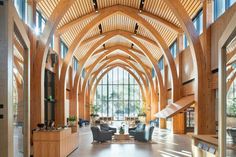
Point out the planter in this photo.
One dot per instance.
(72, 123)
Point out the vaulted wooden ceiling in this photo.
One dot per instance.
(156, 12)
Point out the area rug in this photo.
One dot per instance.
(130, 141)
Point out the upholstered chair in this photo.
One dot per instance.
(99, 135)
(145, 135)
(140, 127)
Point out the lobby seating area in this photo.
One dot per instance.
(117, 78)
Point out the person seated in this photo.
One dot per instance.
(106, 127)
(140, 127)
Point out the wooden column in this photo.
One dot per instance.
(6, 79)
(178, 121)
(163, 97)
(81, 102)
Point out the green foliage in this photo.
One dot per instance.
(122, 130)
(231, 108)
(94, 110)
(72, 118)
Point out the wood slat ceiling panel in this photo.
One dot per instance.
(82, 50)
(143, 58)
(92, 60)
(118, 21)
(46, 7)
(118, 40)
(70, 35)
(159, 8)
(137, 65)
(142, 31)
(107, 3)
(168, 35)
(78, 9)
(192, 6)
(94, 32)
(152, 48)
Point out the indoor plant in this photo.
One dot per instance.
(122, 129)
(72, 120)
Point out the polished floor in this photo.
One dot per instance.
(164, 145)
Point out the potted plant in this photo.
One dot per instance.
(231, 118)
(72, 121)
(122, 129)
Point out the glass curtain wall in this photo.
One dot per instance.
(118, 95)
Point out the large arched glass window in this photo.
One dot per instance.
(118, 95)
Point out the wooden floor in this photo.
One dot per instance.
(164, 145)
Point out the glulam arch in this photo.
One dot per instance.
(109, 68)
(125, 61)
(134, 15)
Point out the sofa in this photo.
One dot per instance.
(99, 135)
(106, 127)
(144, 136)
(139, 128)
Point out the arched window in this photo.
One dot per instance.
(118, 95)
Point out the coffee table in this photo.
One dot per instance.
(118, 136)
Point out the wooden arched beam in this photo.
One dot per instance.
(124, 49)
(127, 62)
(107, 53)
(123, 59)
(109, 68)
(102, 50)
(134, 15)
(39, 62)
(120, 30)
(102, 67)
(96, 73)
(152, 92)
(158, 19)
(137, 43)
(123, 33)
(202, 64)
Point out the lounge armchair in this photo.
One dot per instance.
(140, 127)
(100, 136)
(145, 135)
(106, 127)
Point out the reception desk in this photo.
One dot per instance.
(55, 143)
(204, 145)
